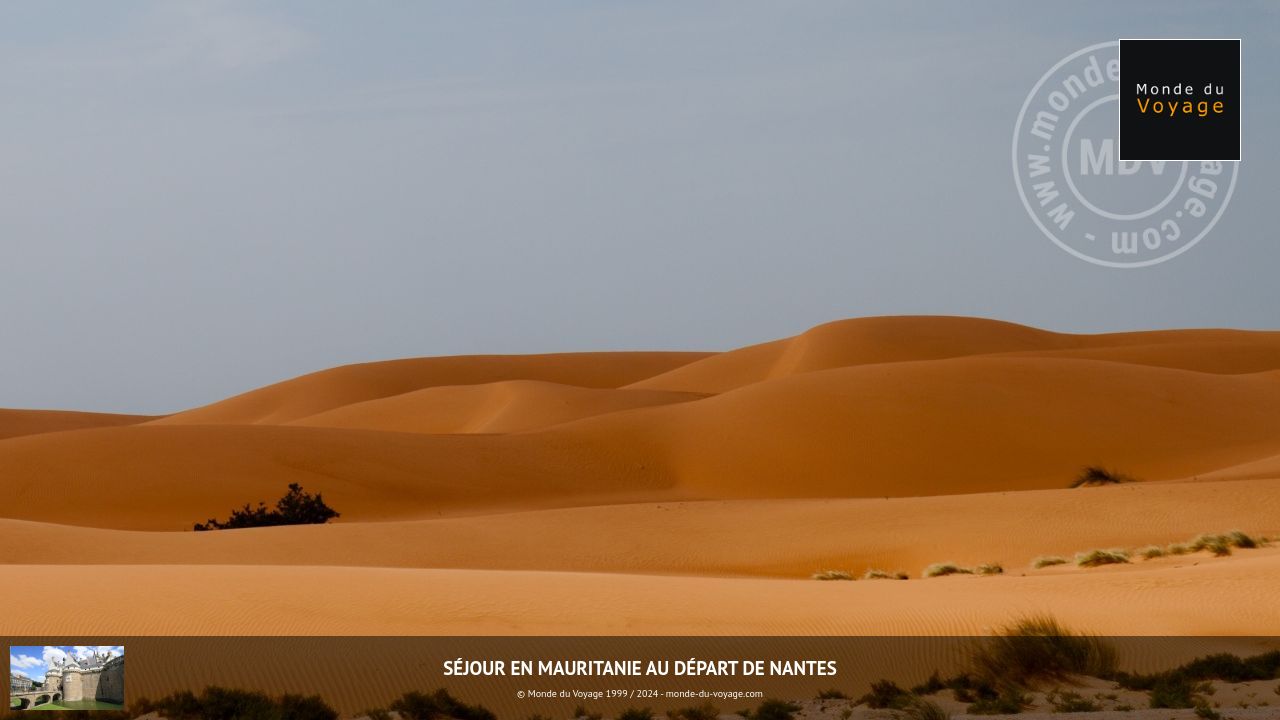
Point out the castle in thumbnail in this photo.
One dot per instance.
(98, 676)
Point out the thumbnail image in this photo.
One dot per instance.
(66, 677)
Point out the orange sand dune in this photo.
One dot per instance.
(723, 538)
(165, 477)
(962, 425)
(502, 407)
(16, 423)
(943, 427)
(652, 493)
(1259, 353)
(328, 389)
(1235, 596)
(865, 341)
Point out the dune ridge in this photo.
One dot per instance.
(694, 492)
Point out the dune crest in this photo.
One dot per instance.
(652, 493)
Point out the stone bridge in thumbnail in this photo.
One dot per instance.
(32, 698)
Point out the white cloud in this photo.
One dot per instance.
(53, 654)
(24, 661)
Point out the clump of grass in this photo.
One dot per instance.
(1009, 702)
(1242, 540)
(832, 575)
(1099, 557)
(1065, 701)
(1151, 552)
(990, 569)
(1045, 561)
(946, 568)
(1095, 475)
(1178, 549)
(832, 694)
(775, 710)
(926, 710)
(876, 574)
(1040, 648)
(1219, 545)
(886, 694)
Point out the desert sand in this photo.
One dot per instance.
(677, 493)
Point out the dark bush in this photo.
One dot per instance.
(1096, 475)
(1039, 648)
(886, 694)
(1009, 702)
(775, 710)
(295, 508)
(439, 705)
(636, 714)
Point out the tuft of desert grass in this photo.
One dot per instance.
(926, 710)
(1151, 552)
(1242, 540)
(877, 574)
(946, 568)
(1045, 561)
(1039, 648)
(1178, 549)
(1099, 557)
(990, 569)
(832, 575)
(1219, 545)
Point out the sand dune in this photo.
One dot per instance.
(648, 493)
(234, 600)
(865, 341)
(328, 389)
(502, 407)
(945, 427)
(721, 538)
(17, 423)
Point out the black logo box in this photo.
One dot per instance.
(1186, 66)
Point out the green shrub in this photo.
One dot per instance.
(990, 569)
(1009, 702)
(1173, 691)
(1096, 558)
(934, 684)
(1045, 561)
(295, 508)
(886, 694)
(875, 574)
(1039, 648)
(217, 703)
(1151, 552)
(832, 694)
(832, 575)
(1067, 701)
(926, 710)
(439, 704)
(775, 710)
(1207, 713)
(946, 568)
(1219, 545)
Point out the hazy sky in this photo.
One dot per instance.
(203, 197)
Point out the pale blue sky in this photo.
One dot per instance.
(34, 661)
(203, 197)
